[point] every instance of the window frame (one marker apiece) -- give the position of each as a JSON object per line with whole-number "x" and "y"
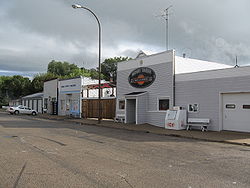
{"x": 119, "y": 100}
{"x": 193, "y": 104}
{"x": 158, "y": 103}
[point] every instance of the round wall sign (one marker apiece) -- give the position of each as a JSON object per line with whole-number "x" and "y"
{"x": 141, "y": 77}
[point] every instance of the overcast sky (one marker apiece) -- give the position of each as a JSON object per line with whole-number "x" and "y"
{"x": 34, "y": 32}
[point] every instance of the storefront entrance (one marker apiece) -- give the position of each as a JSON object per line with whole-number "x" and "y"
{"x": 130, "y": 111}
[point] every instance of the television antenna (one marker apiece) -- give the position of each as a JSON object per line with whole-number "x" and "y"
{"x": 165, "y": 16}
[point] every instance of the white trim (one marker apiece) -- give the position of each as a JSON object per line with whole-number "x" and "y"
{"x": 136, "y": 111}
{"x": 162, "y": 111}
{"x": 118, "y": 100}
{"x": 125, "y": 112}
{"x": 220, "y": 111}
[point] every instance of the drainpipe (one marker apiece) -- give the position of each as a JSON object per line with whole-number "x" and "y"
{"x": 174, "y": 78}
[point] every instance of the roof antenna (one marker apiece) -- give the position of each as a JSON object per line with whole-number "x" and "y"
{"x": 165, "y": 16}
{"x": 236, "y": 63}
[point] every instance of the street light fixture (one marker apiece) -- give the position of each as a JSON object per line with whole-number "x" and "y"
{"x": 76, "y": 6}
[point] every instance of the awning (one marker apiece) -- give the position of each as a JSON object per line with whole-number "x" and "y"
{"x": 136, "y": 93}
{"x": 96, "y": 86}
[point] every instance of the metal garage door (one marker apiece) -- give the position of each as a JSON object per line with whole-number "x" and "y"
{"x": 236, "y": 112}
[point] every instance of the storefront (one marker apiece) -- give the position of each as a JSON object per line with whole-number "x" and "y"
{"x": 149, "y": 85}
{"x": 70, "y": 97}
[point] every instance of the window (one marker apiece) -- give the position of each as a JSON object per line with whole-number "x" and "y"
{"x": 231, "y": 106}
{"x": 193, "y": 107}
{"x": 246, "y": 106}
{"x": 122, "y": 104}
{"x": 163, "y": 104}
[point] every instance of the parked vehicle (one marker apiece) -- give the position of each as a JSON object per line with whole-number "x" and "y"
{"x": 21, "y": 110}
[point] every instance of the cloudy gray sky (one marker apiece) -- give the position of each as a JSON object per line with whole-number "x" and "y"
{"x": 34, "y": 32}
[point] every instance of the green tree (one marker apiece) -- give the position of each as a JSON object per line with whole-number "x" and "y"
{"x": 61, "y": 69}
{"x": 39, "y": 79}
{"x": 13, "y": 87}
{"x": 109, "y": 67}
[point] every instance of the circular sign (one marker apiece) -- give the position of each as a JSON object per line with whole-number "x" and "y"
{"x": 141, "y": 77}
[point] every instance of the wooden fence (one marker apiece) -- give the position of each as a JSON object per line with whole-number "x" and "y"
{"x": 90, "y": 108}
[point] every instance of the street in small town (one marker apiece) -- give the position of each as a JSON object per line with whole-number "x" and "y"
{"x": 37, "y": 152}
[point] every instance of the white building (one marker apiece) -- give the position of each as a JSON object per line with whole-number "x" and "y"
{"x": 149, "y": 85}
{"x": 71, "y": 92}
{"x": 50, "y": 91}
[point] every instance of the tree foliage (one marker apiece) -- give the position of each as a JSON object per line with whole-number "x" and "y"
{"x": 14, "y": 87}
{"x": 61, "y": 68}
{"x": 109, "y": 68}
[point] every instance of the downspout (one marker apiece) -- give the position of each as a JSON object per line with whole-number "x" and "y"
{"x": 173, "y": 78}
{"x": 57, "y": 96}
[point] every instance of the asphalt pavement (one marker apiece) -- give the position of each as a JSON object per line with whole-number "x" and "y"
{"x": 49, "y": 153}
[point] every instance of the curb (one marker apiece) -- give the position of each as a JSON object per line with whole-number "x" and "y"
{"x": 148, "y": 131}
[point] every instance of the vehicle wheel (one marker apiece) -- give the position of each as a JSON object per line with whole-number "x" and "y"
{"x": 33, "y": 113}
{"x": 16, "y": 112}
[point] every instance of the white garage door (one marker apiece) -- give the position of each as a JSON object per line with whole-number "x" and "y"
{"x": 236, "y": 112}
{"x": 39, "y": 106}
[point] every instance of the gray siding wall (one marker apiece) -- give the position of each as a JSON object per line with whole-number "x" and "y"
{"x": 207, "y": 94}
{"x": 162, "y": 87}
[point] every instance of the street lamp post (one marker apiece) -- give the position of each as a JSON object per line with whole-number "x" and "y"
{"x": 75, "y": 6}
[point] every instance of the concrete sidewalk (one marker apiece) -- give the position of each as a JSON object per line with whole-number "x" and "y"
{"x": 223, "y": 136}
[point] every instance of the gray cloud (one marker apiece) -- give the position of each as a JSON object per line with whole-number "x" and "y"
{"x": 34, "y": 32}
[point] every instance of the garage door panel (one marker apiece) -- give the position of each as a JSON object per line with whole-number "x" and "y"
{"x": 236, "y": 112}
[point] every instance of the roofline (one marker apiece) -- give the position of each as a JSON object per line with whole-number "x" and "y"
{"x": 62, "y": 79}
{"x": 203, "y": 60}
{"x": 147, "y": 56}
{"x": 214, "y": 70}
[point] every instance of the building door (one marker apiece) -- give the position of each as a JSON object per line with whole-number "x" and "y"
{"x": 236, "y": 112}
{"x": 130, "y": 111}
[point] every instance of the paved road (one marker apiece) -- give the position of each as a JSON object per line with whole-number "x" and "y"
{"x": 46, "y": 153}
